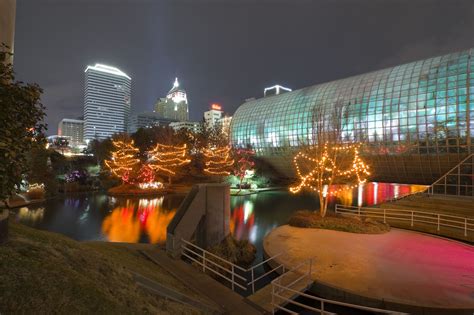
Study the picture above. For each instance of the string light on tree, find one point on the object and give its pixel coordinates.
(244, 163)
(124, 159)
(146, 178)
(218, 161)
(168, 159)
(319, 170)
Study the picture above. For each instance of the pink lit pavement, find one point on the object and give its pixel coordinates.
(399, 266)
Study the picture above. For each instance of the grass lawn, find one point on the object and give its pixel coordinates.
(43, 272)
(332, 221)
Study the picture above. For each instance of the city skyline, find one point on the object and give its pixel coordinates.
(234, 55)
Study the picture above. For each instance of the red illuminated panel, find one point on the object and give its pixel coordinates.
(216, 106)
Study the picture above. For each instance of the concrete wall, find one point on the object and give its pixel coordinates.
(203, 215)
(7, 22)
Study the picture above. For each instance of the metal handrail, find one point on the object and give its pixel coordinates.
(214, 255)
(414, 216)
(326, 301)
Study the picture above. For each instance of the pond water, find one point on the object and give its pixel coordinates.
(96, 216)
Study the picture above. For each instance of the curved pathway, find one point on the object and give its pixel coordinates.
(399, 266)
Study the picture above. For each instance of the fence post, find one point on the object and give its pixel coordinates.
(465, 226)
(322, 308)
(203, 261)
(359, 210)
(438, 222)
(232, 277)
(253, 283)
(412, 219)
(384, 215)
(273, 298)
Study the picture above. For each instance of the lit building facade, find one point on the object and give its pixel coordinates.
(175, 105)
(192, 126)
(416, 120)
(212, 116)
(146, 120)
(224, 122)
(73, 130)
(106, 101)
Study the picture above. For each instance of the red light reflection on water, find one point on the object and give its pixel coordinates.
(128, 224)
(242, 223)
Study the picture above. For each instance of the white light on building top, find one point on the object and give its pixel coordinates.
(278, 90)
(108, 69)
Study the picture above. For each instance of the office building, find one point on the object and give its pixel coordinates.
(73, 130)
(224, 123)
(175, 105)
(192, 126)
(415, 121)
(146, 120)
(212, 116)
(106, 101)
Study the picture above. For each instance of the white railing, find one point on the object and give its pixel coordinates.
(232, 273)
(237, 276)
(221, 267)
(254, 280)
(439, 220)
(283, 294)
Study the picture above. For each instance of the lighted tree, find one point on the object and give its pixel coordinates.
(124, 160)
(146, 174)
(335, 165)
(331, 163)
(168, 159)
(218, 161)
(243, 163)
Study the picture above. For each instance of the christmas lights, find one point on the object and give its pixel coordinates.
(327, 166)
(218, 161)
(123, 159)
(168, 159)
(244, 163)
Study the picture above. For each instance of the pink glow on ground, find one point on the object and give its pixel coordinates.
(399, 266)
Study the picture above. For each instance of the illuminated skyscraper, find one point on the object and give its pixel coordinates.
(175, 105)
(106, 101)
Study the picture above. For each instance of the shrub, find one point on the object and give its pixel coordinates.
(332, 221)
(239, 252)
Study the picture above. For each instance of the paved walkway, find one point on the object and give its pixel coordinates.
(399, 266)
(229, 301)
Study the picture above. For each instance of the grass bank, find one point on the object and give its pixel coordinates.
(332, 221)
(43, 272)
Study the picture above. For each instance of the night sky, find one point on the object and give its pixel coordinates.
(224, 51)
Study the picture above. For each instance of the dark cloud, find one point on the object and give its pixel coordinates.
(225, 50)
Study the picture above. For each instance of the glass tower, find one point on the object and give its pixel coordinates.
(416, 120)
(106, 101)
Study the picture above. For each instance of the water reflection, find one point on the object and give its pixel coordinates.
(97, 216)
(132, 223)
(254, 216)
(30, 215)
